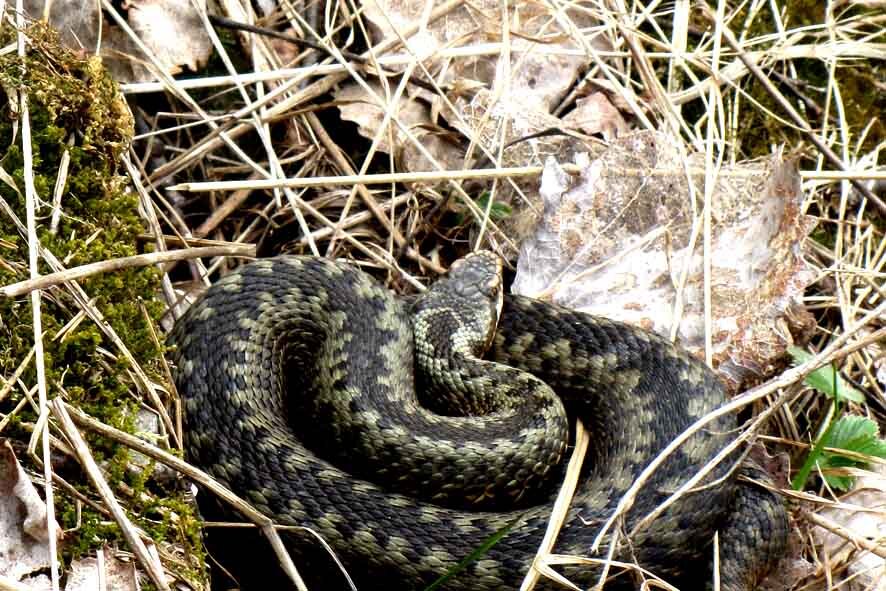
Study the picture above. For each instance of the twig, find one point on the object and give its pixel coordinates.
(139, 260)
(364, 61)
(810, 51)
(874, 546)
(203, 479)
(487, 173)
(844, 175)
(151, 566)
(36, 315)
(560, 511)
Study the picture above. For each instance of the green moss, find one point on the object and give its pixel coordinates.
(857, 81)
(94, 531)
(758, 130)
(75, 106)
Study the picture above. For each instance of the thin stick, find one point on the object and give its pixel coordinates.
(139, 260)
(820, 51)
(846, 533)
(81, 450)
(487, 173)
(844, 175)
(36, 315)
(561, 508)
(203, 479)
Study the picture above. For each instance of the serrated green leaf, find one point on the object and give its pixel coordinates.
(850, 428)
(826, 379)
(497, 211)
(841, 483)
(875, 448)
(854, 434)
(857, 434)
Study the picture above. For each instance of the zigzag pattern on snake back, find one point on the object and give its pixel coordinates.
(292, 337)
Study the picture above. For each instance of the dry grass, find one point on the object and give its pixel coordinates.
(251, 162)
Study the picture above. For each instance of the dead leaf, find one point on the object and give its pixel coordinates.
(118, 575)
(596, 114)
(860, 511)
(76, 21)
(540, 73)
(357, 106)
(24, 536)
(171, 29)
(619, 243)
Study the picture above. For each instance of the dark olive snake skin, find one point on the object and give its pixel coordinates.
(283, 339)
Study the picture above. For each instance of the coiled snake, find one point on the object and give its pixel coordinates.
(297, 380)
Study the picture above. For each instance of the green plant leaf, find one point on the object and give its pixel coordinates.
(497, 211)
(855, 434)
(859, 435)
(826, 379)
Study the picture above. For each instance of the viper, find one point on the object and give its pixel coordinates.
(407, 432)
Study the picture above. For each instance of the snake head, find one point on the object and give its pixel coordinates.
(478, 274)
(462, 309)
(476, 280)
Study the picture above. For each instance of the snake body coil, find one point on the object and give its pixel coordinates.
(293, 337)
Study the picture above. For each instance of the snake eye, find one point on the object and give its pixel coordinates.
(491, 287)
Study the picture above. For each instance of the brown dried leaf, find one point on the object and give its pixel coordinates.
(75, 20)
(617, 244)
(540, 73)
(170, 28)
(860, 511)
(173, 30)
(596, 114)
(356, 106)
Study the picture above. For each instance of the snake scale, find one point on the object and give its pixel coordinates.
(296, 375)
